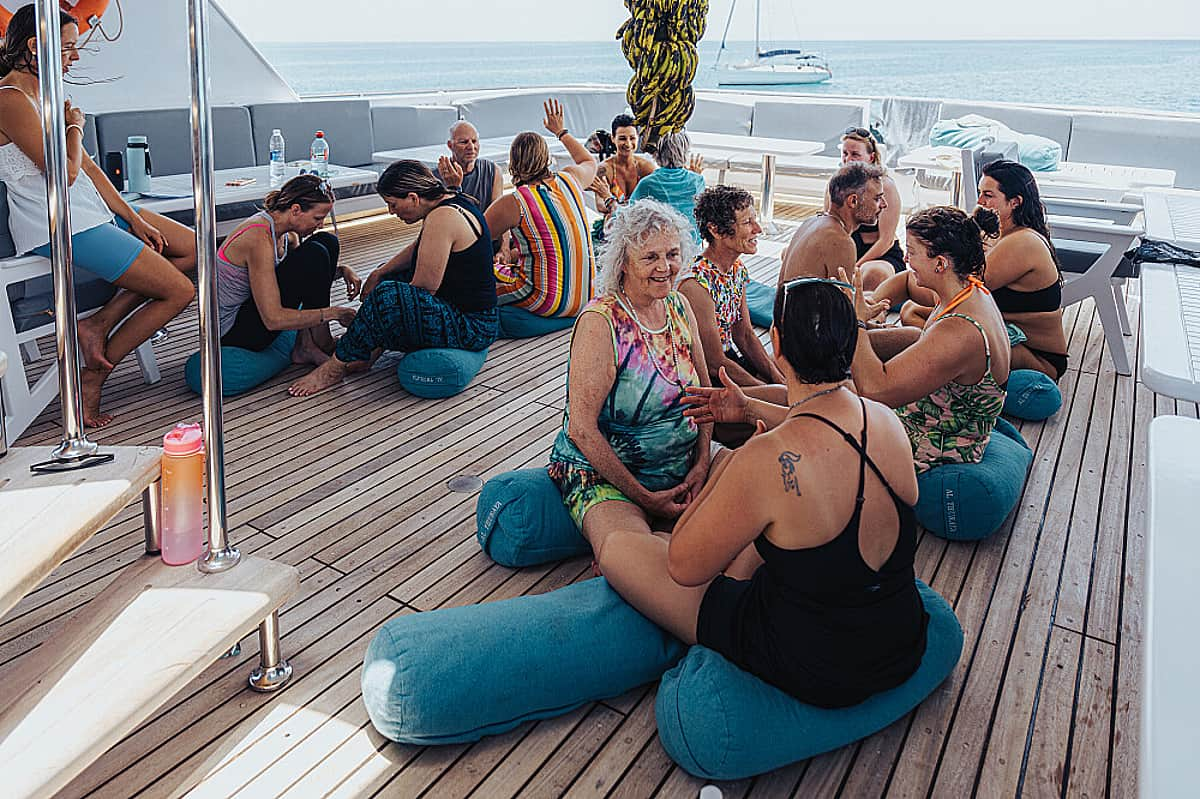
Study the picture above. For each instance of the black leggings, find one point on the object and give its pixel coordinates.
(305, 276)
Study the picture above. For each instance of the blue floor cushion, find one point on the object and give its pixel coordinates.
(1032, 395)
(438, 373)
(521, 520)
(969, 501)
(520, 323)
(721, 723)
(242, 370)
(760, 298)
(458, 674)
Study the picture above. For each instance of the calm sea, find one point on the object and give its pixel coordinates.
(1162, 75)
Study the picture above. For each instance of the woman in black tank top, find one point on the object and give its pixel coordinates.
(796, 560)
(439, 292)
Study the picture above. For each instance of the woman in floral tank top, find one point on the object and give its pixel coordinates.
(946, 382)
(715, 285)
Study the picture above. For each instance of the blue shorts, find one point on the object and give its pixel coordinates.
(106, 250)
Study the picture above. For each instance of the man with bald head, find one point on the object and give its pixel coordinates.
(465, 170)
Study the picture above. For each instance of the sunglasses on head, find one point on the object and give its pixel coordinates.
(804, 281)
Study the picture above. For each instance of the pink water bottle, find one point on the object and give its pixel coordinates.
(182, 495)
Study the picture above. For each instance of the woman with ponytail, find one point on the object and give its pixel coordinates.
(439, 291)
(144, 254)
(947, 380)
(1022, 269)
(276, 272)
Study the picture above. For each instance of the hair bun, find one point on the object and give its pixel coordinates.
(987, 220)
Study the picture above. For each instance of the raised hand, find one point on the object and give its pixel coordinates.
(451, 172)
(554, 120)
(696, 163)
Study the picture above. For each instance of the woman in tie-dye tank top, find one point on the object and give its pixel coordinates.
(626, 454)
(555, 266)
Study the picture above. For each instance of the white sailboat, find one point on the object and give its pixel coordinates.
(781, 67)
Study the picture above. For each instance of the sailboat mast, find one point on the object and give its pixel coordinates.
(757, 17)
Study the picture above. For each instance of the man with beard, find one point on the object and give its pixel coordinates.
(822, 244)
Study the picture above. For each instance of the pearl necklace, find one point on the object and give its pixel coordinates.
(642, 333)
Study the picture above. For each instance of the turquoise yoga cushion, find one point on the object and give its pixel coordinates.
(760, 298)
(520, 323)
(439, 373)
(458, 674)
(1036, 152)
(969, 501)
(521, 520)
(1032, 395)
(242, 370)
(721, 723)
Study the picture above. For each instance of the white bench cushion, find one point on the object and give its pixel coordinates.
(823, 121)
(1139, 140)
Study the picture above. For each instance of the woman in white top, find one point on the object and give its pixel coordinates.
(141, 252)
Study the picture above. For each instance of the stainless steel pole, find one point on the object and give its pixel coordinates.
(220, 555)
(74, 445)
(273, 671)
(766, 211)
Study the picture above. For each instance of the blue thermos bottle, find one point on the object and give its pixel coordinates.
(137, 164)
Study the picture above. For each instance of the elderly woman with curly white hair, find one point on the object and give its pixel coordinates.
(626, 456)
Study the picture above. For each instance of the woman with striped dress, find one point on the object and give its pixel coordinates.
(554, 264)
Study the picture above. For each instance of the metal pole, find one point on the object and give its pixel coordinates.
(74, 445)
(152, 517)
(273, 671)
(220, 555)
(766, 211)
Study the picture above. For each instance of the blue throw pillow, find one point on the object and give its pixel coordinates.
(458, 674)
(760, 299)
(969, 501)
(438, 373)
(1038, 153)
(721, 723)
(242, 370)
(521, 520)
(520, 323)
(1032, 395)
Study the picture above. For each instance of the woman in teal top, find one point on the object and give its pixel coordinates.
(678, 179)
(626, 454)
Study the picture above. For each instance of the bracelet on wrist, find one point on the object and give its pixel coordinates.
(562, 133)
(863, 325)
(76, 127)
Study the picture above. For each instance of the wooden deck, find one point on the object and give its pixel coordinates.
(350, 486)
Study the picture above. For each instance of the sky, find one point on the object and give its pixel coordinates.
(811, 20)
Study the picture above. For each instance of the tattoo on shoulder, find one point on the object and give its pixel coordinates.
(787, 471)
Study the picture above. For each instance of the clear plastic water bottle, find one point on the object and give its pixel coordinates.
(319, 154)
(182, 524)
(277, 157)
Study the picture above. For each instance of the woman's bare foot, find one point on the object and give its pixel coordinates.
(325, 376)
(93, 339)
(306, 351)
(90, 383)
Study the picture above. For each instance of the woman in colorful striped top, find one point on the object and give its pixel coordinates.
(555, 264)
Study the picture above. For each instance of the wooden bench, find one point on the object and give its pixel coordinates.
(128, 650)
(1170, 703)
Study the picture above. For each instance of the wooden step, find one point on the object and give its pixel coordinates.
(46, 517)
(121, 657)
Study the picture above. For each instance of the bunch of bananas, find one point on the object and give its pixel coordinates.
(659, 42)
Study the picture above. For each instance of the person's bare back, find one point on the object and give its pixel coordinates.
(818, 248)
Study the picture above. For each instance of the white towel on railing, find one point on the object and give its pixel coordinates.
(907, 123)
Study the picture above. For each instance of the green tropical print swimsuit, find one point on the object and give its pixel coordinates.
(953, 424)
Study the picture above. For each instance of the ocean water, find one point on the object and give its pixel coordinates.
(1159, 75)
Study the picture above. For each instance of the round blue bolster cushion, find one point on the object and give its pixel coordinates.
(520, 323)
(242, 370)
(458, 674)
(969, 501)
(1032, 395)
(721, 723)
(439, 373)
(521, 520)
(760, 299)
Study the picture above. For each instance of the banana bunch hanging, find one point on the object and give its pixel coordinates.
(659, 42)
